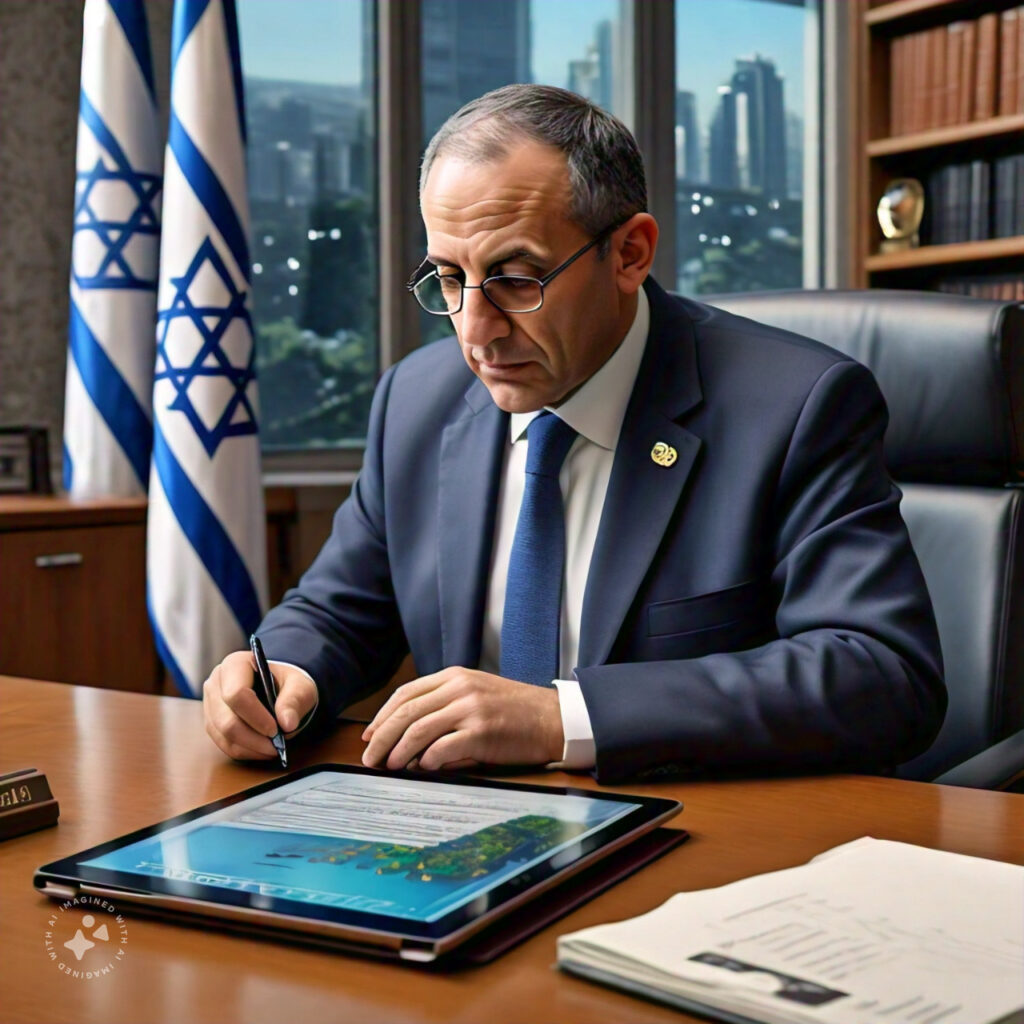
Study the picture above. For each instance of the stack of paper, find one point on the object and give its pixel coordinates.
(872, 931)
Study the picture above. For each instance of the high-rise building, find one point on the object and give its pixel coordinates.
(470, 48)
(722, 157)
(748, 130)
(794, 155)
(591, 75)
(687, 137)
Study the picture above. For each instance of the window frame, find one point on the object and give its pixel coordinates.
(398, 129)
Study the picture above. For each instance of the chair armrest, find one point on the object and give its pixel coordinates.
(996, 767)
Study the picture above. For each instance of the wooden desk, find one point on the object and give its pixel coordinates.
(118, 761)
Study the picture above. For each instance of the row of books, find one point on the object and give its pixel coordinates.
(952, 74)
(1007, 287)
(975, 201)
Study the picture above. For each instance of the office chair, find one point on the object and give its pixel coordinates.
(952, 372)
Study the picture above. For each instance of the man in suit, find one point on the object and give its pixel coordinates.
(712, 574)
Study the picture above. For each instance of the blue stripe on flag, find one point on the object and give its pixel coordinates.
(207, 535)
(90, 115)
(170, 662)
(113, 399)
(206, 185)
(231, 25)
(69, 468)
(132, 16)
(186, 14)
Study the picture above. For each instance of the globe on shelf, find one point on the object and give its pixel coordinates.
(899, 213)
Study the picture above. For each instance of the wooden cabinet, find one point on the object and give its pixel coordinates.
(922, 107)
(73, 588)
(73, 593)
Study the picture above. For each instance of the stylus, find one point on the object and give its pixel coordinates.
(270, 691)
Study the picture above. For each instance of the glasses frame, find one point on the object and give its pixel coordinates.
(414, 282)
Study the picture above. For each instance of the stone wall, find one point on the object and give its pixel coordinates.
(40, 50)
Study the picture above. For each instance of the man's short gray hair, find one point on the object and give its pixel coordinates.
(606, 171)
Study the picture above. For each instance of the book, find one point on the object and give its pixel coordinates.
(1008, 56)
(1020, 60)
(988, 66)
(872, 930)
(978, 202)
(1004, 190)
(1018, 191)
(922, 82)
(1003, 287)
(937, 71)
(968, 72)
(896, 48)
(954, 71)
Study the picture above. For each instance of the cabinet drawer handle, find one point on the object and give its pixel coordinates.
(56, 561)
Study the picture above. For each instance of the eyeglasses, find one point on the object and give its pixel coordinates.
(442, 294)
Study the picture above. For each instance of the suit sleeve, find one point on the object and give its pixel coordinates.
(341, 623)
(854, 680)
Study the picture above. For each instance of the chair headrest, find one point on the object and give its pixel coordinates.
(951, 369)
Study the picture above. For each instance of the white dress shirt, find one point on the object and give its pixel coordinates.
(595, 412)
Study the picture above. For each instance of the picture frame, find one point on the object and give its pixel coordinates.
(24, 461)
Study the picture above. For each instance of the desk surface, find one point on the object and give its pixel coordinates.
(118, 761)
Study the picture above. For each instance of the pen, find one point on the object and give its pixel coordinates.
(270, 690)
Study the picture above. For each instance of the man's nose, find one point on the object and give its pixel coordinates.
(480, 322)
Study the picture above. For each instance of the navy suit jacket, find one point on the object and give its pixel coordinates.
(755, 605)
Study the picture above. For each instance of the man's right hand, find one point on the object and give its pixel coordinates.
(236, 720)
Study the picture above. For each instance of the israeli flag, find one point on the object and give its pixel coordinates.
(206, 557)
(107, 412)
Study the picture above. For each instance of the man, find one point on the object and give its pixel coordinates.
(732, 588)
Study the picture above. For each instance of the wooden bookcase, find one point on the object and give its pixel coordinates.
(880, 153)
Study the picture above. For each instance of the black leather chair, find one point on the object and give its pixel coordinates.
(952, 372)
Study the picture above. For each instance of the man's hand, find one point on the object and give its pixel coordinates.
(236, 720)
(459, 717)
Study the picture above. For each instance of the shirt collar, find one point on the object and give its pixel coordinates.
(598, 407)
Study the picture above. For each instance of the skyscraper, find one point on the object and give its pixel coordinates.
(722, 157)
(591, 75)
(470, 48)
(687, 137)
(748, 130)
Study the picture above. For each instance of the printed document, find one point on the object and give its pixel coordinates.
(871, 932)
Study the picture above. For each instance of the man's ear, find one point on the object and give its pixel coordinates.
(634, 245)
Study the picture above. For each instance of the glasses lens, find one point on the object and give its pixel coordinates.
(514, 294)
(438, 294)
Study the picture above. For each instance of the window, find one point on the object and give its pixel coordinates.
(723, 95)
(743, 125)
(309, 91)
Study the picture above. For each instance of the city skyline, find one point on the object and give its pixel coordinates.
(321, 41)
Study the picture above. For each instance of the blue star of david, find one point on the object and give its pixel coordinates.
(211, 322)
(114, 270)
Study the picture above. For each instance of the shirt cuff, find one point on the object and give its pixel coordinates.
(308, 717)
(579, 751)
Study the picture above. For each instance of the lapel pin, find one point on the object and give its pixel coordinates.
(664, 454)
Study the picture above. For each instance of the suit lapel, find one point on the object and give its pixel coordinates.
(468, 492)
(642, 495)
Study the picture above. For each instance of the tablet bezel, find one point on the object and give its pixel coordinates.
(194, 898)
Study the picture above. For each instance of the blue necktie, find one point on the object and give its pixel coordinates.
(533, 591)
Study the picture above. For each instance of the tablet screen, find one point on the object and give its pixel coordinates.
(352, 845)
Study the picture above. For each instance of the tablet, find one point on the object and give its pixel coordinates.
(387, 862)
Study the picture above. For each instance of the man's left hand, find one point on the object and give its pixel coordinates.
(459, 717)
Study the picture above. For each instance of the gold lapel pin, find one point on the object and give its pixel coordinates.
(664, 454)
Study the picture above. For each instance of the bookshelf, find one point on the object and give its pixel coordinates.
(939, 86)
